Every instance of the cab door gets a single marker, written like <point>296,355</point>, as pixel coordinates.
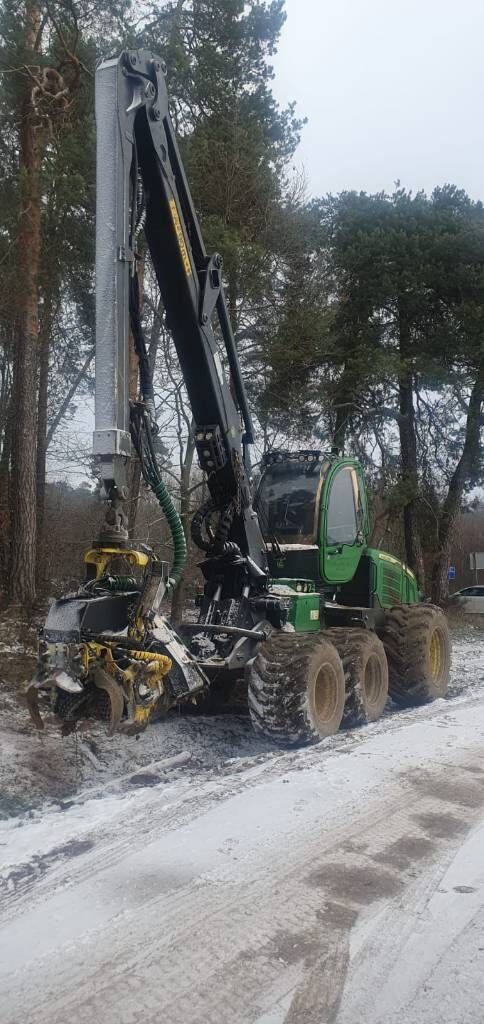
<point>342,525</point>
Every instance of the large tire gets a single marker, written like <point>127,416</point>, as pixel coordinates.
<point>296,689</point>
<point>366,673</point>
<point>416,639</point>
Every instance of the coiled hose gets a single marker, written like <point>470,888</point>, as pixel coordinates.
<point>216,545</point>
<point>177,532</point>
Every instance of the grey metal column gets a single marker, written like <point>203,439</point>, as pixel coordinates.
<point>111,441</point>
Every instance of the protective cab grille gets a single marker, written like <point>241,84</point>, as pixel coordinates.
<point>391,584</point>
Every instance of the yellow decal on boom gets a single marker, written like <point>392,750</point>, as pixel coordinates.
<point>180,237</point>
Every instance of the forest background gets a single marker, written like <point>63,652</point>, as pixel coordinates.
<point>358,317</point>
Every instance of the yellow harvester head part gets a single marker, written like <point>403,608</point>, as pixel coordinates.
<point>101,557</point>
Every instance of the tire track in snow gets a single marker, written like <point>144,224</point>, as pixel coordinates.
<point>213,783</point>
<point>247,909</point>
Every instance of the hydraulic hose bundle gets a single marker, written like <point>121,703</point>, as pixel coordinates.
<point>145,374</point>
<point>142,418</point>
<point>142,437</point>
<point>177,532</point>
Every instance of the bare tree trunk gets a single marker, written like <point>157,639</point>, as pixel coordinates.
<point>45,329</point>
<point>339,434</point>
<point>459,478</point>
<point>5,386</point>
<point>344,400</point>
<point>409,476</point>
<point>5,490</point>
<point>23,491</point>
<point>5,442</point>
<point>408,457</point>
<point>232,295</point>
<point>69,395</point>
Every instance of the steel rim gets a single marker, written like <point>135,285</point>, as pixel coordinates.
<point>326,694</point>
<point>372,679</point>
<point>436,654</point>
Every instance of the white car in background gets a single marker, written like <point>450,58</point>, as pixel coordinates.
<point>469,600</point>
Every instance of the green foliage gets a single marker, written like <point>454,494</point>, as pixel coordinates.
<point>403,281</point>
<point>217,53</point>
<point>337,303</point>
<point>235,143</point>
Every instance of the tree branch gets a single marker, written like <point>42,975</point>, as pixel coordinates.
<point>68,398</point>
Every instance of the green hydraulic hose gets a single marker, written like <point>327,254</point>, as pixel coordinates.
<point>177,532</point>
<point>141,424</point>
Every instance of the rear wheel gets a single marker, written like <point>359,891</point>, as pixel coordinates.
<point>366,673</point>
<point>296,689</point>
<point>416,639</point>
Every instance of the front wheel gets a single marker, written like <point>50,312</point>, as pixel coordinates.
<point>416,640</point>
<point>296,689</point>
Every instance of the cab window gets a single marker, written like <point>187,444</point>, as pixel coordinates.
<point>287,501</point>
<point>342,523</point>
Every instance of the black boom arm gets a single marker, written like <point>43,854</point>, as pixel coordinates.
<point>141,183</point>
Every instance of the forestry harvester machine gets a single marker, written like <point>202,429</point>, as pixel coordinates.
<point>316,623</point>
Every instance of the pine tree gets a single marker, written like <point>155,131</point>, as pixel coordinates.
<point>405,284</point>
<point>46,101</point>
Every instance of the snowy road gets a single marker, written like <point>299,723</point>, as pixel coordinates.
<point>341,883</point>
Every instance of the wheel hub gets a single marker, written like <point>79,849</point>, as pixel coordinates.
<point>435,654</point>
<point>325,693</point>
<point>372,679</point>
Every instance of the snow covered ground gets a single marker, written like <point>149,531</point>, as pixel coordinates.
<point>225,882</point>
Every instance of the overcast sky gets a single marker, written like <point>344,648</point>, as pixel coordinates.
<point>391,90</point>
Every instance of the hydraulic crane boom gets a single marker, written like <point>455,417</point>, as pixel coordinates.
<point>141,183</point>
